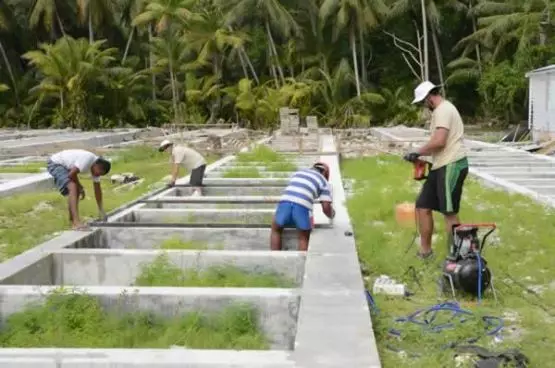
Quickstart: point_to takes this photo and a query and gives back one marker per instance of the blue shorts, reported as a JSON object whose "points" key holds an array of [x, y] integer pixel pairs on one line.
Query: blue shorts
{"points": [[293, 214], [60, 175]]}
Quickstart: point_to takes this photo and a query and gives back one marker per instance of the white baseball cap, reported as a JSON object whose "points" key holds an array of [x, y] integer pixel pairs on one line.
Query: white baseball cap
{"points": [[164, 144], [422, 91]]}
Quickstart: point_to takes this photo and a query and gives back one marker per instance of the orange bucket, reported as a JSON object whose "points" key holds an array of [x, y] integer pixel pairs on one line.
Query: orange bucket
{"points": [[405, 214]]}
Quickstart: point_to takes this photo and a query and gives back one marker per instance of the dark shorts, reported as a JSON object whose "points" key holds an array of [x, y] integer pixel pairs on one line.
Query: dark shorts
{"points": [[293, 214], [195, 180], [443, 188], [60, 175]]}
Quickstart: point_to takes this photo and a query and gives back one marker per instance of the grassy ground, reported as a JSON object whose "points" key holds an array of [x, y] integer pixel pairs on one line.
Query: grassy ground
{"points": [[250, 172], [69, 320], [26, 220], [32, 168], [520, 251], [162, 272]]}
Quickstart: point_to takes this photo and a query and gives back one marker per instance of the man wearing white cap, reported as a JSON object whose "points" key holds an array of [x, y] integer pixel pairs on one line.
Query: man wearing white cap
{"points": [[443, 187], [188, 158]]}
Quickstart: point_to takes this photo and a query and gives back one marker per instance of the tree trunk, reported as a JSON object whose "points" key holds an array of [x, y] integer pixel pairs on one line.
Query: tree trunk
{"points": [[151, 62], [251, 67], [273, 67], [10, 72], [243, 64], [128, 45], [91, 34], [274, 50], [439, 59], [425, 34], [364, 74], [355, 62], [174, 91], [60, 24], [477, 47]]}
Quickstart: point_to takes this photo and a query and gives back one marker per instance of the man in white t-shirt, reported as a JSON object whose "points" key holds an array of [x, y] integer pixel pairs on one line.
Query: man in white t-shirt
{"points": [[188, 158], [65, 166]]}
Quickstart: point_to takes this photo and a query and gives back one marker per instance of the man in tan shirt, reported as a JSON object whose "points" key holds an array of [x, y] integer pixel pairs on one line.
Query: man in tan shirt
{"points": [[443, 187], [188, 158]]}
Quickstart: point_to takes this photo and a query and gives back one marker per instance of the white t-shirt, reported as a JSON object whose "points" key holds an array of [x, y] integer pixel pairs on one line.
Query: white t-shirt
{"points": [[187, 157], [81, 159]]}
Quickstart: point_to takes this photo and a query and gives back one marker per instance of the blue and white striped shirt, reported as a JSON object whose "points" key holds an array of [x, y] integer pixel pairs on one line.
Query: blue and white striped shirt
{"points": [[305, 187]]}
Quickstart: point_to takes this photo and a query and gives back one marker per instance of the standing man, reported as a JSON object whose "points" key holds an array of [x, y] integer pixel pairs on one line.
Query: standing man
{"points": [[188, 158], [297, 200], [65, 166], [443, 188]]}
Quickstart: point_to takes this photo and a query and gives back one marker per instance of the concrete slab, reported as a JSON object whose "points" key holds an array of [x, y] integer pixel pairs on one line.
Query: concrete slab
{"points": [[201, 216], [278, 308], [223, 191], [145, 358], [111, 267], [262, 174]]}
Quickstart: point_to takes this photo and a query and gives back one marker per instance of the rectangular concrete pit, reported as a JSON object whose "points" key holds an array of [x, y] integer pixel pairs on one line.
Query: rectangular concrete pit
{"points": [[219, 238], [215, 202], [278, 308], [110, 267], [229, 191], [200, 216], [262, 174]]}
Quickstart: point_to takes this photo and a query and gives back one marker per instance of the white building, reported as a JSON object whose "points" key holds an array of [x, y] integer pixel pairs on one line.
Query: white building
{"points": [[541, 104]]}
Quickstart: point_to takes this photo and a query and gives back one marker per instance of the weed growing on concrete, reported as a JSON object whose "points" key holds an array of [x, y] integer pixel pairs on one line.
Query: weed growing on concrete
{"points": [[519, 250], [176, 243], [31, 168], [162, 272], [260, 153], [73, 320], [281, 166], [246, 172]]}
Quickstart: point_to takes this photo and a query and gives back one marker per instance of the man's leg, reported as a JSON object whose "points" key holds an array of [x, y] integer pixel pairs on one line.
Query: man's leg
{"points": [[453, 176], [197, 176], [426, 203], [304, 238], [281, 218], [301, 219], [73, 203]]}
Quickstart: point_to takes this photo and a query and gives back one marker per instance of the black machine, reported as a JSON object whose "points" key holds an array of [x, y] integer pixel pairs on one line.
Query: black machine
{"points": [[464, 268]]}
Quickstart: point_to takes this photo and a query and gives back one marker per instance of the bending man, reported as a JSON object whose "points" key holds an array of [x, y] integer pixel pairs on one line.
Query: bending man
{"points": [[188, 158], [65, 166], [296, 203], [443, 188]]}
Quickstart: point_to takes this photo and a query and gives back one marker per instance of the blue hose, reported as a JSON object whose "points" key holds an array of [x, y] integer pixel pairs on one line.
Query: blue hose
{"points": [[479, 278]]}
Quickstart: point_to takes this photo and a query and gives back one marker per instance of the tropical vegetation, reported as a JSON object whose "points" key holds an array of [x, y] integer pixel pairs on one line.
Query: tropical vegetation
{"points": [[105, 63]]}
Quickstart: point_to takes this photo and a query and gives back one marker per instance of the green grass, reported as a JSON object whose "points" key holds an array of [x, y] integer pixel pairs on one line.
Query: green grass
{"points": [[176, 243], [71, 320], [28, 219], [31, 168], [520, 247], [265, 156], [250, 172], [281, 166], [162, 272]]}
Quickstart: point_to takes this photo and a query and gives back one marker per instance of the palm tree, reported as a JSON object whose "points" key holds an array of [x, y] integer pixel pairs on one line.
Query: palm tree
{"points": [[357, 16], [69, 68], [47, 13], [501, 22], [6, 26], [211, 40], [275, 18], [95, 13]]}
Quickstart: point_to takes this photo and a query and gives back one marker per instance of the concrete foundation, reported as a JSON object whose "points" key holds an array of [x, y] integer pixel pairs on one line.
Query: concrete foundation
{"points": [[323, 321]]}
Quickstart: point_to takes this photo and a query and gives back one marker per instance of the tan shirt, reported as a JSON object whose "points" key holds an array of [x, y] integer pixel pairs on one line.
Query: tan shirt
{"points": [[187, 157], [447, 116]]}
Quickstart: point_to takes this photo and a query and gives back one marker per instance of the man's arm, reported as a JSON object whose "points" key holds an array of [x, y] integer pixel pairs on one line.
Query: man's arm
{"points": [[328, 210], [175, 172], [98, 197], [437, 141]]}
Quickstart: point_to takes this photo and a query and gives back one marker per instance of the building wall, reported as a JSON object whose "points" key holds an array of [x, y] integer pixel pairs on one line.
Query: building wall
{"points": [[541, 116]]}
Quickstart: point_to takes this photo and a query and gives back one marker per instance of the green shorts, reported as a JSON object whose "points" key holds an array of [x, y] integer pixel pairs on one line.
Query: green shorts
{"points": [[443, 188]]}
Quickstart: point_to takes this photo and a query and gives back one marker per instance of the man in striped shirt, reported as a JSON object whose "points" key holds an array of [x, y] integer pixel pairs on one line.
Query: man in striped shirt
{"points": [[296, 202]]}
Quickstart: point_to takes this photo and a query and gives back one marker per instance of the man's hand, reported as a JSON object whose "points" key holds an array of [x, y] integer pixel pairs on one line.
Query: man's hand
{"points": [[411, 156], [81, 192]]}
